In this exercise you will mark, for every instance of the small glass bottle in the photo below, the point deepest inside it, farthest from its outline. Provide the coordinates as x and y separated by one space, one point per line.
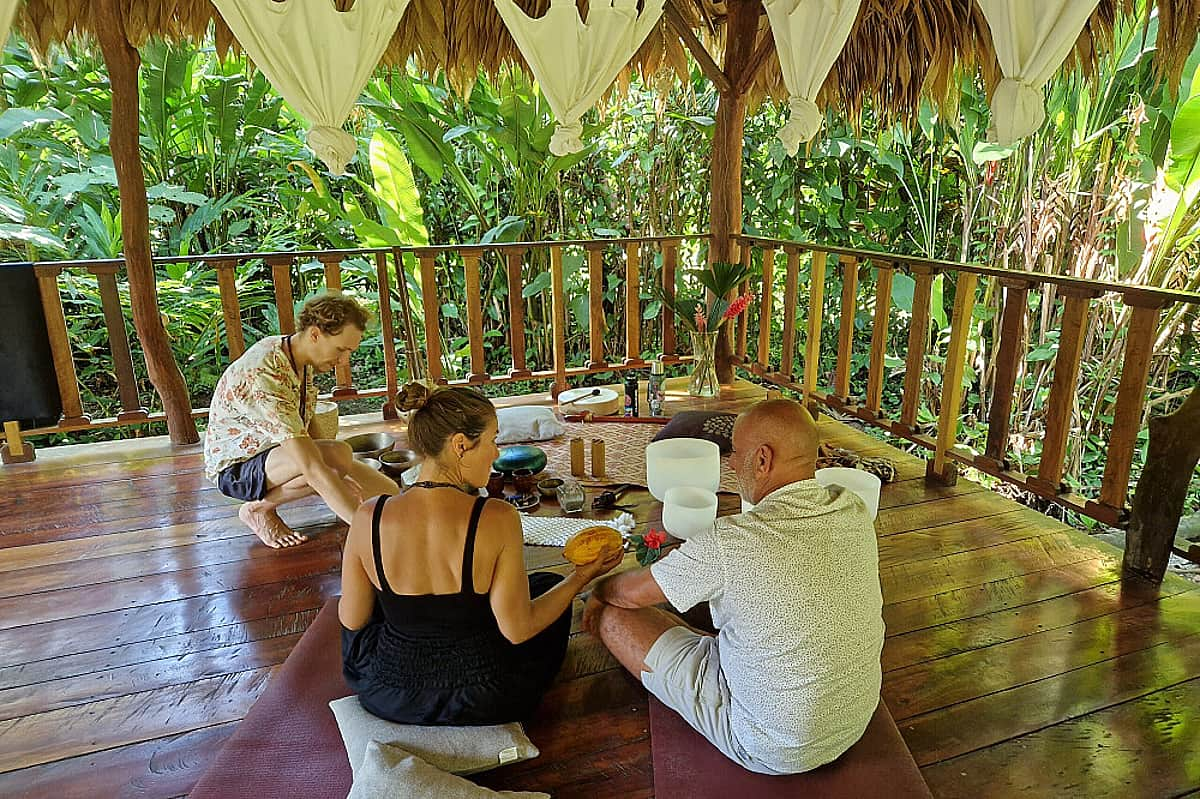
631 394
654 388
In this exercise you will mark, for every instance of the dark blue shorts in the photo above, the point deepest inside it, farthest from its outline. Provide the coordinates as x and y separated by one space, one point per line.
245 480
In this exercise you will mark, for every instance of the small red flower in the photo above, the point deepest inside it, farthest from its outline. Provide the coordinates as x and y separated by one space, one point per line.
737 306
701 322
654 539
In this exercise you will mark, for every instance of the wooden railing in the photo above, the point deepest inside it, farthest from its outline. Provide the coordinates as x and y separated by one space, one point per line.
1145 307
398 321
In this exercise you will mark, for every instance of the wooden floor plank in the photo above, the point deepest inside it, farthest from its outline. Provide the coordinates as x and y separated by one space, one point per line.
956 537
1146 747
948 510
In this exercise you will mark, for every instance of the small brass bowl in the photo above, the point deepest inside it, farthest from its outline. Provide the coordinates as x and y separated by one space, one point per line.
548 488
371 445
397 461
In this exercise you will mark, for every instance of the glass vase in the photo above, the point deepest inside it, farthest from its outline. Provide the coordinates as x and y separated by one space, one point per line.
703 382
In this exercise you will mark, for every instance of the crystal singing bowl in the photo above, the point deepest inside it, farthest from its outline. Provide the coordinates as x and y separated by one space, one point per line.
688 510
682 462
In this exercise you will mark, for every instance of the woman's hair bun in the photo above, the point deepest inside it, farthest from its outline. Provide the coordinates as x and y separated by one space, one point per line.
413 396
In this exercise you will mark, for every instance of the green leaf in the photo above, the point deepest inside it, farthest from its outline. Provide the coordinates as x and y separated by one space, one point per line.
1183 171
537 285
396 190
18 119
38 237
985 151
903 287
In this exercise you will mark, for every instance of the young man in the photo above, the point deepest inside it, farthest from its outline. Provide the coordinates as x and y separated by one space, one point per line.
792 677
257 447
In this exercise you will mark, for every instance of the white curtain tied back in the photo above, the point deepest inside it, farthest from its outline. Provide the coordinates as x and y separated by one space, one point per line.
317 57
8 10
1032 38
575 62
809 36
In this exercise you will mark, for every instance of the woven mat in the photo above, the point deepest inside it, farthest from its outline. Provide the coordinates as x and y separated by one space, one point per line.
624 453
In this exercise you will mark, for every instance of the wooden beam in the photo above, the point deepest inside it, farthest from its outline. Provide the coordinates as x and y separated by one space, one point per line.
633 305
707 64
758 60
516 312
343 385
670 263
1061 403
918 344
848 312
596 323
124 141
432 312
764 313
558 308
118 340
816 316
285 304
231 308
1008 364
60 348
787 361
940 469
474 292
879 335
388 331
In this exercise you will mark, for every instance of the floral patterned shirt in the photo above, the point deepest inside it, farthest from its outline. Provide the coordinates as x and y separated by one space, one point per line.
256 406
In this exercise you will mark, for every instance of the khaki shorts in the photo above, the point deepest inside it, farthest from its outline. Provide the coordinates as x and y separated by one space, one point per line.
686 676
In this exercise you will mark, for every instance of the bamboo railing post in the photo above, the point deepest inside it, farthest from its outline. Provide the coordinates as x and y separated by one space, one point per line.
558 308
429 304
848 311
940 469
764 312
816 316
479 373
743 320
670 263
1008 364
60 348
231 309
596 324
281 277
388 331
1131 399
918 344
787 358
633 305
118 339
879 336
516 313
343 381
1060 405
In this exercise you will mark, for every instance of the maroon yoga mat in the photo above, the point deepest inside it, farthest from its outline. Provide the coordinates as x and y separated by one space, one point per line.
688 767
288 746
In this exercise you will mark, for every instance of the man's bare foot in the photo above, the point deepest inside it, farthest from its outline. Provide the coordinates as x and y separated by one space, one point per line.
267 525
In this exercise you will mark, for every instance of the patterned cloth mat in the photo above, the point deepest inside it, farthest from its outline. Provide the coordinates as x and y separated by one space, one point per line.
555 531
624 453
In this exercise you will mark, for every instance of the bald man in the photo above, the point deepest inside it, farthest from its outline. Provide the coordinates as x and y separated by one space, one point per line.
792 676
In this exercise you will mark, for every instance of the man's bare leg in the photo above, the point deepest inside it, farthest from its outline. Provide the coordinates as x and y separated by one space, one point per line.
262 518
629 634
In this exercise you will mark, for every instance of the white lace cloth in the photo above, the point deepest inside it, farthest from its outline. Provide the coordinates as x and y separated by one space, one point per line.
554 531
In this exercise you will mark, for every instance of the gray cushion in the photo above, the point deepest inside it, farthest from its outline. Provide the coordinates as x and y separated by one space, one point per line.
459 750
714 426
388 772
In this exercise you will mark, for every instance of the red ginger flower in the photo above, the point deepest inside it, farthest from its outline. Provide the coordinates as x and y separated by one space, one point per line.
654 539
737 306
701 322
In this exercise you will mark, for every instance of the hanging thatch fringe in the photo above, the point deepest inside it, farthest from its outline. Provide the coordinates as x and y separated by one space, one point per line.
898 51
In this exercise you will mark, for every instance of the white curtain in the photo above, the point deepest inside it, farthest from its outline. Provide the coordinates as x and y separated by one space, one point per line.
575 62
1032 38
317 57
8 10
809 36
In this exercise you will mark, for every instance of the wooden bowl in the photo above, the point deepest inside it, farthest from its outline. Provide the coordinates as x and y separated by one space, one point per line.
371 445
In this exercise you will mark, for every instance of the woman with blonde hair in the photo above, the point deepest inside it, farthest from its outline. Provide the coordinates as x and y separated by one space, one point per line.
440 623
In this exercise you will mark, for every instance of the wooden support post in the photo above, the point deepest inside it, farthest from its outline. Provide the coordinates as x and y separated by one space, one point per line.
1131 399
285 305
1010 352
764 313
412 353
479 373
940 469
633 306
429 304
670 263
118 340
787 361
1171 459
125 144
231 308
848 311
918 344
879 336
60 348
558 309
596 324
343 381
15 449
1061 404
816 316
708 64
746 252
516 313
388 331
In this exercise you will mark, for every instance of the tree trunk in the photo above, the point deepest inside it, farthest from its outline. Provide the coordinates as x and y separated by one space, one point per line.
725 215
1162 490
123 64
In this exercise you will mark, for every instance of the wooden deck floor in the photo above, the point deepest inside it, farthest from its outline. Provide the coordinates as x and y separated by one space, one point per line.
139 620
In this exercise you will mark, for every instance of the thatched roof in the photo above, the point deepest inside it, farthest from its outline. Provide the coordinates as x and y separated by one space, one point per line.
898 51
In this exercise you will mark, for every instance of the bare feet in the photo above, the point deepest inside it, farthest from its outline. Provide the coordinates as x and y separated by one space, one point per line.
267 525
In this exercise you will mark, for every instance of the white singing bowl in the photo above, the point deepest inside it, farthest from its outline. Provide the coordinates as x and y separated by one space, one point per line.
688 510
865 484
682 462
